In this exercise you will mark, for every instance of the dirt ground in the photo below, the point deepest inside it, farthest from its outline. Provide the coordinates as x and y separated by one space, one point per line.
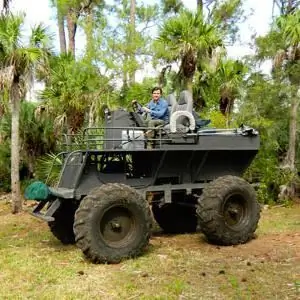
267 247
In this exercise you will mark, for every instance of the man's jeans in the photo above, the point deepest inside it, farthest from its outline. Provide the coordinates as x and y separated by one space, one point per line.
153 123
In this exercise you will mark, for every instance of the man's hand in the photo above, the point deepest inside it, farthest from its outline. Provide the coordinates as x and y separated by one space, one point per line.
146 109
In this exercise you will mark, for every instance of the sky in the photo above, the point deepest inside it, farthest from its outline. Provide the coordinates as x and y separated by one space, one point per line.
258 22
259 11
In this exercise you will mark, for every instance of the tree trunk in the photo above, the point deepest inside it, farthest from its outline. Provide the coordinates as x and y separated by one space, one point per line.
200 4
88 29
31 160
91 116
61 31
132 14
15 154
189 84
288 190
125 73
72 27
131 38
291 153
4 6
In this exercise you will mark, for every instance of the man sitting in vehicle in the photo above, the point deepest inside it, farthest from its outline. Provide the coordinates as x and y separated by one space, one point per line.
157 113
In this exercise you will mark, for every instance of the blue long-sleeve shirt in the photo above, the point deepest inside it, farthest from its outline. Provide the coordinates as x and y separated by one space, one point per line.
159 109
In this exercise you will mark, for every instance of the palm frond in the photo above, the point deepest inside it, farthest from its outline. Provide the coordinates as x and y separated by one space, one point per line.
10 32
41 37
48 168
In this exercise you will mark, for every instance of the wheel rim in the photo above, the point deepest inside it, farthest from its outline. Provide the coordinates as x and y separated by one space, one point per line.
235 210
117 226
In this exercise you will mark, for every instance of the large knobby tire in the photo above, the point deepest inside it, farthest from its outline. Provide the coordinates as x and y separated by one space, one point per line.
112 223
62 226
228 211
174 218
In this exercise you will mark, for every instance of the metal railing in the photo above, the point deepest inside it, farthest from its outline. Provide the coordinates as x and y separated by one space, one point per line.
123 138
137 138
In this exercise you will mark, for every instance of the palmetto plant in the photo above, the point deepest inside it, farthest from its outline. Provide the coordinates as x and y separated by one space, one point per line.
36 135
4 166
48 168
4 153
71 87
222 85
230 74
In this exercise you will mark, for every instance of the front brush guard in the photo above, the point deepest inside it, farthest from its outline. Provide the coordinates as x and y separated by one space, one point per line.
60 193
47 216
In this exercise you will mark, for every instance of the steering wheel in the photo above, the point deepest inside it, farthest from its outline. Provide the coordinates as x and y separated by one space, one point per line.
137 108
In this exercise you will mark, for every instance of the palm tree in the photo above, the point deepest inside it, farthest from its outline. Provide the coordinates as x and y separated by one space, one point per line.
17 62
60 24
187 38
230 75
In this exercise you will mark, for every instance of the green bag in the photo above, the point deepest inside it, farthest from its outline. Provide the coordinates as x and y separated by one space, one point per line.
37 191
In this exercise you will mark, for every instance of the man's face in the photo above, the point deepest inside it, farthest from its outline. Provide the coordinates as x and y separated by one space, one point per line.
156 95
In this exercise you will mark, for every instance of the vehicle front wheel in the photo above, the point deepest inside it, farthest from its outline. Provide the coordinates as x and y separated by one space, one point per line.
112 223
228 211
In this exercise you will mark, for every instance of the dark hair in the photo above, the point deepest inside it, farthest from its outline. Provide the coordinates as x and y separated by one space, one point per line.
157 88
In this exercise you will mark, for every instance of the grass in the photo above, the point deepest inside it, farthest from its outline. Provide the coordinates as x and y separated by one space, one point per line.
34 265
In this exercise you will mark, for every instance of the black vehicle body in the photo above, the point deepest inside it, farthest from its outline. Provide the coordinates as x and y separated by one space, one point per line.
175 171
179 161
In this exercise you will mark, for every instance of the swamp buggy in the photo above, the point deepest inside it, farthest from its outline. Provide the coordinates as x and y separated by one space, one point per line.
112 185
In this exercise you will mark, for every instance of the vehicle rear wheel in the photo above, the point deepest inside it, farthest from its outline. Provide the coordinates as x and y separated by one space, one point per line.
174 218
62 226
228 211
112 223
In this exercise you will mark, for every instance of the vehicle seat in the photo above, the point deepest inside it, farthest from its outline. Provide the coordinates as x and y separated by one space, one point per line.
171 100
181 118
